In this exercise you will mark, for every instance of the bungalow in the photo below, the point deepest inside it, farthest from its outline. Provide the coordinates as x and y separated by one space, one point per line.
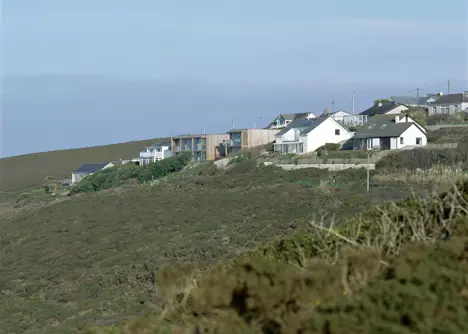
284 119
389 132
449 104
388 108
247 138
411 101
155 152
304 136
88 169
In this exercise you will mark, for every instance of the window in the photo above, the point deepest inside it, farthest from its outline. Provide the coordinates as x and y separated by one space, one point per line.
401 140
371 126
419 141
337 132
383 126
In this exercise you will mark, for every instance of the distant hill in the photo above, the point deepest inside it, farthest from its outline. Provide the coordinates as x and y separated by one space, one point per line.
25 171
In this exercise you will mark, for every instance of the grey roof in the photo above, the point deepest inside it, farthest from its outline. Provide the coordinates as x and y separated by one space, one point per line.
380 110
405 100
423 100
305 126
90 168
383 126
291 117
451 99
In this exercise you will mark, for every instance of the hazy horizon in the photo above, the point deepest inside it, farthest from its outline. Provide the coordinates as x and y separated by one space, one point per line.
92 73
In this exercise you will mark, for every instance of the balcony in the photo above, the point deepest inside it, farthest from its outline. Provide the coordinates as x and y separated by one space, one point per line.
146 155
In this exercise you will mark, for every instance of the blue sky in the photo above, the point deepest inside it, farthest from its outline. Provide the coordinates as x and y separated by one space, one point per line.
242 50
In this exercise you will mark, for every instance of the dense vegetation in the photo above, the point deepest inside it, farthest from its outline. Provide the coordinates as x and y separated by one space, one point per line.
130 174
398 268
94 258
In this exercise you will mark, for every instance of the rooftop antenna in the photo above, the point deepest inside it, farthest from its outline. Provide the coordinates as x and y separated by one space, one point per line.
333 106
232 124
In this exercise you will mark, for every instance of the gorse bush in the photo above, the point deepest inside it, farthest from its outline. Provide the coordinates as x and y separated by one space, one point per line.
130 173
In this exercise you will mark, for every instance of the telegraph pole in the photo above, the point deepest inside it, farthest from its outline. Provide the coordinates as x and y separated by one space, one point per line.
448 87
417 94
354 99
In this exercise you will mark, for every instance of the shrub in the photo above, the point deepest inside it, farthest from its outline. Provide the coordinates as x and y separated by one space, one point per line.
328 147
238 159
130 174
442 119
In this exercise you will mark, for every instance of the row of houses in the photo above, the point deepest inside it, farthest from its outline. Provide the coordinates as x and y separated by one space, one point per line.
383 126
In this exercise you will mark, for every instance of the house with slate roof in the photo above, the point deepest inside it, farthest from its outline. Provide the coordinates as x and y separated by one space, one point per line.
88 169
411 101
389 132
282 120
449 104
307 135
389 108
157 151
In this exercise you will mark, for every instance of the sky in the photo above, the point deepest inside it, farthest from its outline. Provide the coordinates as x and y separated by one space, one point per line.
181 66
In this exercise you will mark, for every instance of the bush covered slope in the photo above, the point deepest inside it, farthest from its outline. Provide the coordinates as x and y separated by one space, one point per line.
25 171
96 257
398 268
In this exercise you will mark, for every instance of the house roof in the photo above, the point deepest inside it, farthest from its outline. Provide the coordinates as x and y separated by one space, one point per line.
451 99
406 100
424 99
160 144
290 117
383 126
305 126
380 109
90 168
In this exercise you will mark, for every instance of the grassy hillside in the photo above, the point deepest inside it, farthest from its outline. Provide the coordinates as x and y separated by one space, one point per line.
398 268
25 171
97 258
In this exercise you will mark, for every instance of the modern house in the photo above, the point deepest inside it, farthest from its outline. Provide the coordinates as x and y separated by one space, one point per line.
283 120
304 136
389 108
203 146
345 118
88 169
157 151
449 104
247 138
336 115
389 132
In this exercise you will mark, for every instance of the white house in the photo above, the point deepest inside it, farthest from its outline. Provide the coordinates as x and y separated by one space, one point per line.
304 136
158 151
88 169
389 108
389 132
449 104
284 120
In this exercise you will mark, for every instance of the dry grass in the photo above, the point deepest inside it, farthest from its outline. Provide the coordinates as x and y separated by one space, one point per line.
436 177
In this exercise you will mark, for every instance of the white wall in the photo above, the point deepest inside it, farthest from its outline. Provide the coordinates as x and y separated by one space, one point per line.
409 138
325 133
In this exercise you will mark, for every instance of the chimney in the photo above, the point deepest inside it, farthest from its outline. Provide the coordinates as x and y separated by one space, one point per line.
379 104
325 112
397 118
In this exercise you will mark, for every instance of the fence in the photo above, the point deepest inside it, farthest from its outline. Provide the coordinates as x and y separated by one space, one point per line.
322 161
